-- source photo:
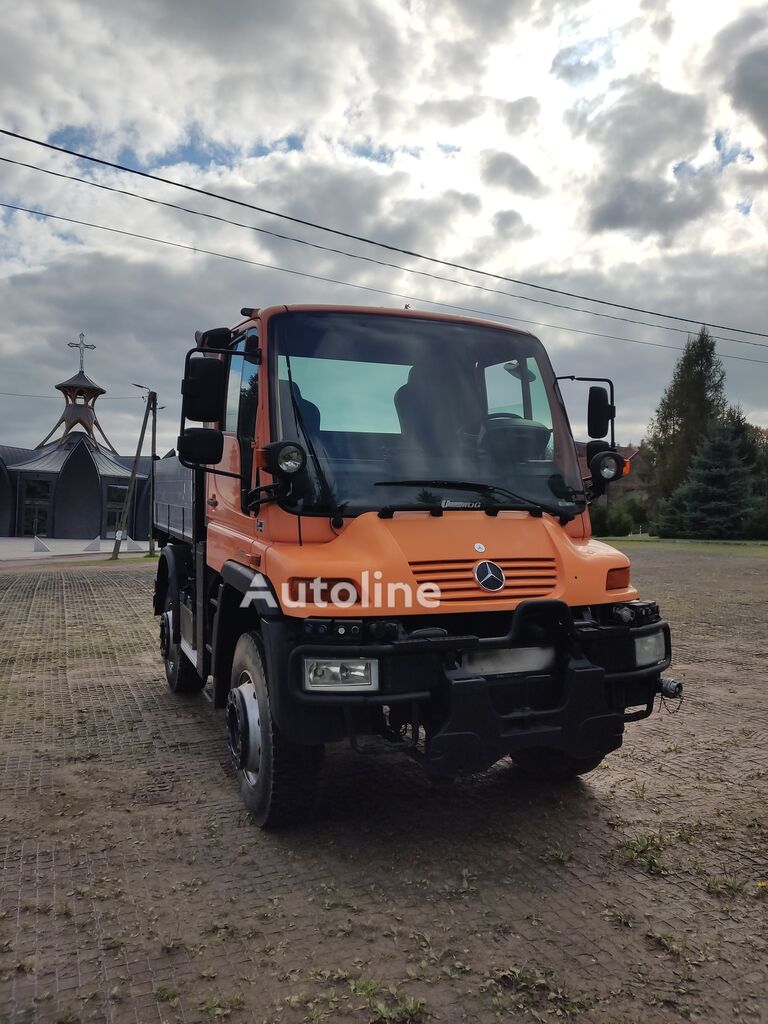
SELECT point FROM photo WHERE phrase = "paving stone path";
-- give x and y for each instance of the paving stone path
(133, 887)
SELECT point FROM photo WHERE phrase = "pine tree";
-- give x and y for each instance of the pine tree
(691, 404)
(716, 499)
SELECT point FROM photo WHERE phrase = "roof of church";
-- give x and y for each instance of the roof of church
(81, 381)
(52, 457)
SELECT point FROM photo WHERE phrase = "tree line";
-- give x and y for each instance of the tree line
(705, 467)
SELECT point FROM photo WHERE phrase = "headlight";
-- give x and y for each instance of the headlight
(284, 458)
(291, 459)
(333, 675)
(649, 649)
(607, 466)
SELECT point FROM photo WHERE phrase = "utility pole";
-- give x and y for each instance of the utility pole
(151, 404)
(123, 525)
(152, 401)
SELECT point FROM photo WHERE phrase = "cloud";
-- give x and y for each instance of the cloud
(451, 112)
(726, 153)
(642, 133)
(646, 125)
(662, 23)
(509, 225)
(519, 114)
(748, 86)
(435, 127)
(583, 61)
(644, 205)
(739, 58)
(504, 170)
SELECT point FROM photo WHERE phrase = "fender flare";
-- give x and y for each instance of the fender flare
(169, 570)
(234, 616)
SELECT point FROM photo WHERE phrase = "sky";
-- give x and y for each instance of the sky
(616, 151)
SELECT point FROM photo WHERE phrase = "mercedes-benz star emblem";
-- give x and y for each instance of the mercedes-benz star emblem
(489, 575)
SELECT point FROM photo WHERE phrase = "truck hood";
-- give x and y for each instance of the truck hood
(535, 555)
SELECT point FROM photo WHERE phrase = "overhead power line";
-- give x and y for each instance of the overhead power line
(366, 259)
(367, 241)
(349, 284)
(104, 398)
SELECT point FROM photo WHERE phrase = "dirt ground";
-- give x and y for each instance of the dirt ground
(135, 889)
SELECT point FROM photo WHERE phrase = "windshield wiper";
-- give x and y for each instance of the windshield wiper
(535, 508)
(335, 508)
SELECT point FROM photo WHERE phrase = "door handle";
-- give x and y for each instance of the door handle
(213, 502)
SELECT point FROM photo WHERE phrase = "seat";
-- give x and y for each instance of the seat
(435, 405)
(308, 412)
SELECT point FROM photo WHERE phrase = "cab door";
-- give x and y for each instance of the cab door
(229, 525)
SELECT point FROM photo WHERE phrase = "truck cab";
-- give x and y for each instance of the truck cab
(377, 532)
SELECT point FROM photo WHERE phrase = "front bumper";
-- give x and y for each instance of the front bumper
(579, 707)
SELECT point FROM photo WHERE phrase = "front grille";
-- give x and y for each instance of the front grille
(524, 578)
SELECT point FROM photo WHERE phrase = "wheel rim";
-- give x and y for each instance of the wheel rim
(244, 729)
(166, 643)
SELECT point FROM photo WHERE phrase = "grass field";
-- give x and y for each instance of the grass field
(746, 548)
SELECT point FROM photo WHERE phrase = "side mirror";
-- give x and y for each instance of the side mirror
(204, 389)
(600, 412)
(200, 446)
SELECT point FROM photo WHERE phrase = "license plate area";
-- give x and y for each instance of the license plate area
(509, 661)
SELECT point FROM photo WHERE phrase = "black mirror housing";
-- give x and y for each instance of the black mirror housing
(600, 412)
(204, 390)
(200, 446)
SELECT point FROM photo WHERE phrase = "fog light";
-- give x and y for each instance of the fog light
(332, 675)
(649, 649)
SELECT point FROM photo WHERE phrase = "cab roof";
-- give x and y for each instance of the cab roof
(413, 314)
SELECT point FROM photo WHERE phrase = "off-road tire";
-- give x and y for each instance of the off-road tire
(179, 671)
(554, 765)
(283, 791)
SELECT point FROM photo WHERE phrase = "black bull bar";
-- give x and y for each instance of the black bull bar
(587, 718)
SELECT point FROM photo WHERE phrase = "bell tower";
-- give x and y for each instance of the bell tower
(80, 394)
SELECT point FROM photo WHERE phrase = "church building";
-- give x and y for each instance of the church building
(75, 486)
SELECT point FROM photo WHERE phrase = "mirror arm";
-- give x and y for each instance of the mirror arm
(611, 396)
(254, 498)
(210, 469)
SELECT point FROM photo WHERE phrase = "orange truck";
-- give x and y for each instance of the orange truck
(378, 533)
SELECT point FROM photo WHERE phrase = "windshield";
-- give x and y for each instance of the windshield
(377, 399)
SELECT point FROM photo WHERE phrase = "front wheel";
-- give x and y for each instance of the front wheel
(179, 671)
(554, 765)
(278, 778)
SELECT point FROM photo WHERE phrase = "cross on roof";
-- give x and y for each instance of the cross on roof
(82, 346)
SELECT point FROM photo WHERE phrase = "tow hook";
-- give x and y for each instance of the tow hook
(670, 688)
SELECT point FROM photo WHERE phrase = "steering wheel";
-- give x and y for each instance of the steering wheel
(496, 417)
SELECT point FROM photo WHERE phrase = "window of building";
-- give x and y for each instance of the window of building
(113, 508)
(35, 508)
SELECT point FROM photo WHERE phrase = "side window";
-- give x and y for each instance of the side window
(233, 388)
(516, 388)
(504, 391)
(249, 394)
(541, 410)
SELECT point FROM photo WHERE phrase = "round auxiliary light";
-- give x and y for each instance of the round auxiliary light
(607, 466)
(291, 459)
